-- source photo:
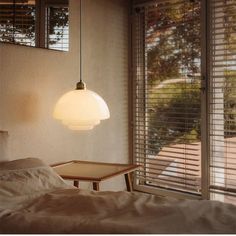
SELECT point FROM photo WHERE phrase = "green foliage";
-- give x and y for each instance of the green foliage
(174, 41)
(230, 74)
(230, 104)
(174, 116)
(230, 26)
(174, 50)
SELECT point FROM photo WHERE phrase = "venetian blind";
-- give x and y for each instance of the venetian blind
(222, 112)
(167, 96)
(57, 30)
(17, 22)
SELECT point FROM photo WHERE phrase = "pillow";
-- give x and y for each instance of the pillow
(28, 176)
(21, 164)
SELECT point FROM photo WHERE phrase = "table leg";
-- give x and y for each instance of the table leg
(96, 186)
(128, 182)
(76, 183)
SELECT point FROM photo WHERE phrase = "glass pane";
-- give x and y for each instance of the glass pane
(17, 22)
(57, 36)
(172, 109)
(35, 23)
(223, 101)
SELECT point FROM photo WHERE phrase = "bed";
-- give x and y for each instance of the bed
(34, 199)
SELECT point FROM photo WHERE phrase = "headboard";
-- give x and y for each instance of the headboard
(3, 145)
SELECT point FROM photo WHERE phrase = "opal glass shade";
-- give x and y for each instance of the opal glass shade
(81, 109)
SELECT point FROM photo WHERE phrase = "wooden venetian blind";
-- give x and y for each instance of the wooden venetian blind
(41, 23)
(17, 22)
(57, 35)
(167, 96)
(222, 112)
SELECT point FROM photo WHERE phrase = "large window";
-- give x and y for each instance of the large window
(183, 97)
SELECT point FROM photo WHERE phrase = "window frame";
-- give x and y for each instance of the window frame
(205, 98)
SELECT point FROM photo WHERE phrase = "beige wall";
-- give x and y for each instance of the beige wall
(33, 79)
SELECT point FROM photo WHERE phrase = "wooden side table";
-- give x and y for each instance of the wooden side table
(94, 172)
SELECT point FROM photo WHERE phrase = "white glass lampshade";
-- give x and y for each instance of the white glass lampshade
(81, 109)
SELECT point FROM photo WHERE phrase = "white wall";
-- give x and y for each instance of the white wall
(33, 79)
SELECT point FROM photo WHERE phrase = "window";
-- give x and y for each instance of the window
(184, 98)
(222, 101)
(57, 36)
(17, 22)
(35, 23)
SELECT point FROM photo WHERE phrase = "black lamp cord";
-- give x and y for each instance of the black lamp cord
(80, 84)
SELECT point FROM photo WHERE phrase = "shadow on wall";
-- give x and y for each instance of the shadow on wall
(23, 108)
(3, 145)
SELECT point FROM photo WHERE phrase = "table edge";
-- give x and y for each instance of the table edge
(130, 168)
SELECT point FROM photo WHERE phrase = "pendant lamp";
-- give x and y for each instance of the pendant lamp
(81, 109)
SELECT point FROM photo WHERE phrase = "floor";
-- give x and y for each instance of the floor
(179, 166)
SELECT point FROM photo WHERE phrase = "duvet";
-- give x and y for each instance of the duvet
(34, 199)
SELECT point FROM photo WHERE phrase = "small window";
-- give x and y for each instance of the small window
(35, 23)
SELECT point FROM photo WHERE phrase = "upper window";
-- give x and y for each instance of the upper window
(35, 23)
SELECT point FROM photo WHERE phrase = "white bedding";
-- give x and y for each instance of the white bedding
(51, 206)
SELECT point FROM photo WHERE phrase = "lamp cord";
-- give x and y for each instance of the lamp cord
(80, 41)
(80, 85)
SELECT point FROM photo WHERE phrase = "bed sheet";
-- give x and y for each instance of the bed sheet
(36, 200)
